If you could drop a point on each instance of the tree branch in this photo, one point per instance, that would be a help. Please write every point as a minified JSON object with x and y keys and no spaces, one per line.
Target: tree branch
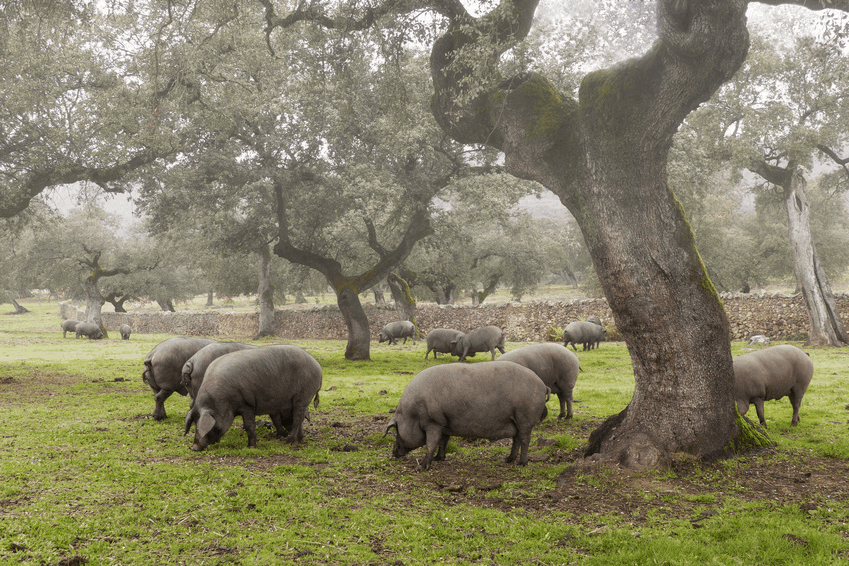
{"x":816,"y":5}
{"x":834,"y":157}
{"x":778,"y":176}
{"x":330,"y":268}
{"x":372,"y":239}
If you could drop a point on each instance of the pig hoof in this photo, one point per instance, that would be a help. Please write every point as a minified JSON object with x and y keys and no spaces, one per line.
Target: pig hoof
{"x":197,"y":448}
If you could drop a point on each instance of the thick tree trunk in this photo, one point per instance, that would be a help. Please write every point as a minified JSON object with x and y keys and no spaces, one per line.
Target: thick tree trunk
{"x":265,"y":293}
{"x":94,"y":302}
{"x":18,"y":308}
{"x":478,"y":297}
{"x":166,"y":304}
{"x":359,"y":336}
{"x":117,"y":302}
{"x":671,"y":319}
{"x":405,"y":304}
{"x":209,"y":298}
{"x":826,"y":326}
{"x":348,"y":287}
{"x":379,"y":299}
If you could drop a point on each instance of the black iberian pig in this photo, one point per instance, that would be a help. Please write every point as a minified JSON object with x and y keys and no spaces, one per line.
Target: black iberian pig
{"x":582,"y":332}
{"x":69,"y":326}
{"x":279,"y":381}
{"x":772,"y":373}
{"x":195,"y":367}
{"x":163,"y":368}
{"x":484,"y":339}
{"x":394,"y":331}
{"x":556,"y":366}
{"x":485,"y":400}
{"x":88,"y":329}
{"x":439,"y":341}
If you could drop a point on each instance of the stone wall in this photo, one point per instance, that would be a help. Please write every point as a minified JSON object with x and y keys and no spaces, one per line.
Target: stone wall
{"x":777,"y":316}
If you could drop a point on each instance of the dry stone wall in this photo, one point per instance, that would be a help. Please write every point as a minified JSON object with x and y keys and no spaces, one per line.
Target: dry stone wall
{"x":777,"y":316}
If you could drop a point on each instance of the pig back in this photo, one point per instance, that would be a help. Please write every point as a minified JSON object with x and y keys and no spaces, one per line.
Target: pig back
{"x":194,"y":369}
{"x":484,"y":338}
{"x":439,"y":339}
{"x":482,"y":400}
{"x":164,"y":363}
{"x":261,"y":378}
{"x":556,"y":366}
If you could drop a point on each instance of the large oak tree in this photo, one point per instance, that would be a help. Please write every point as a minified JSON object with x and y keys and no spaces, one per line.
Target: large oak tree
{"x":605,"y":155}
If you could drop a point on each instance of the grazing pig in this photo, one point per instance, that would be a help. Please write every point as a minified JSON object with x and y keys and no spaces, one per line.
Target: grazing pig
{"x":163,"y":367}
{"x":582,"y":332}
{"x":89,"y":330}
{"x":439,"y":341}
{"x":279,"y":381}
{"x":69,"y":326}
{"x":491,"y":400}
{"x":772,"y":373}
{"x":484,"y":339}
{"x":396,"y":330}
{"x":759,"y":340}
{"x":195,"y":367}
{"x":125,"y":331}
{"x":555,"y":365}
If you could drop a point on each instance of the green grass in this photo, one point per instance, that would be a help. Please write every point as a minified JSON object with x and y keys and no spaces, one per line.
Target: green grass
{"x":86,"y":474}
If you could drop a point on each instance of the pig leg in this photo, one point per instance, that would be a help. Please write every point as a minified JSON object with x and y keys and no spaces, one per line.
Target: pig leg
{"x":565,"y":401}
{"x":296,"y":434}
{"x":759,"y":407}
{"x":279,"y":429}
{"x":742,"y":407}
{"x":443,"y":444}
{"x":159,"y":403}
{"x":520,"y":443}
{"x":249,"y":423}
{"x":795,"y":402}
{"x":492,"y":351}
{"x":434,"y":438}
{"x":521,"y":440}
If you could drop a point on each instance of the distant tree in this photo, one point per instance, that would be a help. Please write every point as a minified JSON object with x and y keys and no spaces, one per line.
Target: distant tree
{"x":783,"y":109}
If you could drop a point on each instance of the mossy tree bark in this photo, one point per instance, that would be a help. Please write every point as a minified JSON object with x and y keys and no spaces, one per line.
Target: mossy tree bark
{"x":405,"y":304}
{"x":605,"y":156}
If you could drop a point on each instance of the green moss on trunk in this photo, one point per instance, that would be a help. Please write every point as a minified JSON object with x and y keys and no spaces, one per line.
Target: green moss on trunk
{"x":749,"y":437}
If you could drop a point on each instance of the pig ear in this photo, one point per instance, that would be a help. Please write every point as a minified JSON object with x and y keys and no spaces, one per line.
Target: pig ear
{"x":390,"y":425}
{"x":190,"y":418}
{"x":205,"y":423}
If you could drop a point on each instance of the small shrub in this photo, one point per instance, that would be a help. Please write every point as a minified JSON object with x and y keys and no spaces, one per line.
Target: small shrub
{"x":554,"y":334}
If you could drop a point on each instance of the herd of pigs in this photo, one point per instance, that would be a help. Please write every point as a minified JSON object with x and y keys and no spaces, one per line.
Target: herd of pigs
{"x":492,"y":399}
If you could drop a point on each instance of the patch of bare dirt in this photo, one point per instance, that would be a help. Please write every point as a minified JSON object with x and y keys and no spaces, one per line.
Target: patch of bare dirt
{"x":689,"y":490}
{"x":476,"y":475}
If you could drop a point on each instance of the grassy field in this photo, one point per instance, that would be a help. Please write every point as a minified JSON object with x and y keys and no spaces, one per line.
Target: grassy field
{"x":89,"y":478}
